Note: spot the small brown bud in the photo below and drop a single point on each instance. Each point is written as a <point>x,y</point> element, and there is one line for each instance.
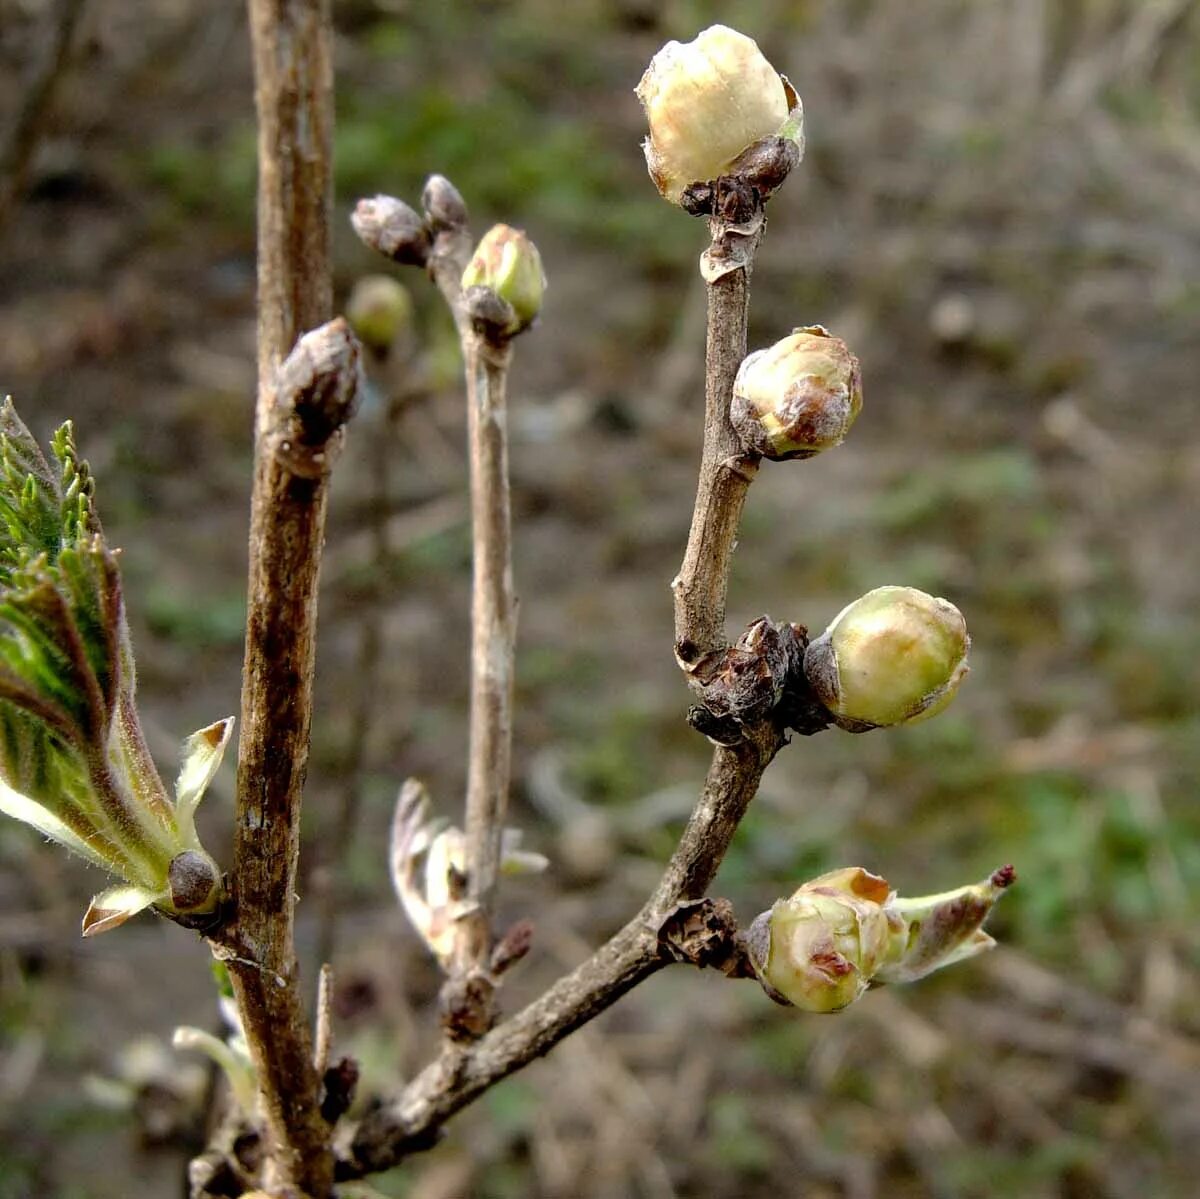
<point>443,204</point>
<point>390,226</point>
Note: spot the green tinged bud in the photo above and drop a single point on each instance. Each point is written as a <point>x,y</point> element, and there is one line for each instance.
<point>798,397</point>
<point>894,656</point>
<point>508,264</point>
<point>836,936</point>
<point>379,310</point>
<point>820,948</point>
<point>706,102</point>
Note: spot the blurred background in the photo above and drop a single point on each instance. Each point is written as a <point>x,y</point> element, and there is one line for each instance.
<point>998,211</point>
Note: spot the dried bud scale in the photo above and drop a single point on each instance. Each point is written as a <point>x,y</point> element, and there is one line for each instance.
<point>798,397</point>
<point>709,101</point>
<point>893,656</point>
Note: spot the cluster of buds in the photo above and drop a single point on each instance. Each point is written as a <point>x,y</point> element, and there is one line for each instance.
<point>73,759</point>
<point>503,284</point>
<point>716,107</point>
<point>836,936</point>
<point>428,861</point>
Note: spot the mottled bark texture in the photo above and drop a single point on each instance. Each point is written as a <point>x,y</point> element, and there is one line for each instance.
<point>302,402</point>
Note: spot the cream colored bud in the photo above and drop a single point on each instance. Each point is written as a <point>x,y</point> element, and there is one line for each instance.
<point>893,656</point>
<point>798,397</point>
<point>508,263</point>
<point>379,311</point>
<point>820,948</point>
<point>707,101</point>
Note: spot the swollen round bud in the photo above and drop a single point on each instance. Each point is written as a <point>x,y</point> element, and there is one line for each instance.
<point>379,311</point>
<point>894,656</point>
<point>798,397</point>
<point>508,264</point>
<point>393,228</point>
<point>819,949</point>
<point>706,102</point>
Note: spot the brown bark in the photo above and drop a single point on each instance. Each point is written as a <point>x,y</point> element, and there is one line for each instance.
<point>299,414</point>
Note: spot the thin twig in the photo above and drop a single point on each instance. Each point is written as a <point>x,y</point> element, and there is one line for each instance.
<point>21,141</point>
<point>412,1122</point>
<point>726,468</point>
<point>462,1073</point>
<point>302,405</point>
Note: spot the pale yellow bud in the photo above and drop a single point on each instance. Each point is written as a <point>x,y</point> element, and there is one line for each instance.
<point>798,397</point>
<point>508,263</point>
<point>707,101</point>
<point>893,656</point>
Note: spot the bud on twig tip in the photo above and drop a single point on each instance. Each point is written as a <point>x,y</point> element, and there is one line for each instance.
<point>390,226</point>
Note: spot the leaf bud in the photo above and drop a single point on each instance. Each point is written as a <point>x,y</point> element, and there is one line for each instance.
<point>819,949</point>
<point>709,100</point>
<point>798,397</point>
<point>508,264</point>
<point>443,204</point>
<point>893,656</point>
<point>393,228</point>
<point>379,310</point>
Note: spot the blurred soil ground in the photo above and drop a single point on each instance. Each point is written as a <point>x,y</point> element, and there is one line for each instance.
<point>999,211</point>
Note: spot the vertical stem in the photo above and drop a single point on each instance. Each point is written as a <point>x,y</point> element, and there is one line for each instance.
<point>293,95</point>
<point>726,469</point>
<point>493,629</point>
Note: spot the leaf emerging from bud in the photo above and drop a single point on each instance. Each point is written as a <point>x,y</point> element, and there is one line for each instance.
<point>706,102</point>
<point>379,310</point>
<point>798,397</point>
<point>508,264</point>
<point>834,937</point>
<point>820,948</point>
<point>893,656</point>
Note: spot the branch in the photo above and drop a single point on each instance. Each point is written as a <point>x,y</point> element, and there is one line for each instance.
<point>302,404</point>
<point>726,467</point>
<point>462,1073</point>
<point>639,949</point>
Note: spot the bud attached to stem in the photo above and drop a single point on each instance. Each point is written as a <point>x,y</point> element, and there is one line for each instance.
<point>841,933</point>
<point>393,228</point>
<point>508,265</point>
<point>798,397</point>
<point>894,656</point>
<point>708,102</point>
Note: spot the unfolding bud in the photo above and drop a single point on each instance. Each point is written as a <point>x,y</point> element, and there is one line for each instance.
<point>820,948</point>
<point>798,397</point>
<point>390,226</point>
<point>709,100</point>
<point>379,311</point>
<point>893,656</point>
<point>443,204</point>
<point>508,264</point>
<point>839,934</point>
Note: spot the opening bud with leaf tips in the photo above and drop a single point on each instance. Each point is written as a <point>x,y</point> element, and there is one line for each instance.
<point>836,936</point>
<point>894,656</point>
<point>508,264</point>
<point>73,758</point>
<point>708,102</point>
<point>798,397</point>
